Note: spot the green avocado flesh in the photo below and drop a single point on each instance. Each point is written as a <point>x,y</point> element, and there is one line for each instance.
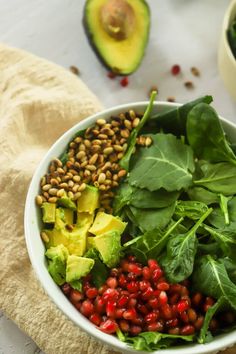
<point>121,56</point>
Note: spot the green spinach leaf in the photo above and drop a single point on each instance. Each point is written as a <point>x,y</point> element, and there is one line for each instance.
<point>99,271</point>
<point>226,240</point>
<point>191,209</point>
<point>167,163</point>
<point>203,195</point>
<point>230,266</point>
<point>217,218</point>
<point>206,135</point>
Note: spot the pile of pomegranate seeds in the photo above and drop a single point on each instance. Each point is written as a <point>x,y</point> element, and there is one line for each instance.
<point>137,298</point>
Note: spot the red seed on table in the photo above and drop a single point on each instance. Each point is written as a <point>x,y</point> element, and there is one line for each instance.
<point>111,75</point>
<point>175,70</point>
<point>124,81</point>
<point>109,326</point>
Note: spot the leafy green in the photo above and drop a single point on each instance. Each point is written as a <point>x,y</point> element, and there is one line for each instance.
<point>217,218</point>
<point>203,195</point>
<point>167,163</point>
<point>64,157</point>
<point>224,207</point>
<point>180,253</point>
<point>218,178</point>
<point>230,266</point>
<point>174,120</point>
<point>210,277</point>
<point>206,135</point>
<point>77,285</point>
<point>191,209</point>
<point>99,271</point>
<point>124,162</point>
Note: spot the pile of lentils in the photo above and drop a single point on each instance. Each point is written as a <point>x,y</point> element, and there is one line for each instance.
<point>92,159</point>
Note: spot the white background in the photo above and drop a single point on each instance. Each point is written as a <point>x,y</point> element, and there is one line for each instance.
<point>185,32</point>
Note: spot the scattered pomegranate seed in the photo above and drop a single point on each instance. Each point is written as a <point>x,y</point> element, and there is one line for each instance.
<point>195,71</point>
<point>170,99</point>
<point>189,84</point>
<point>124,81</point>
<point>109,326</point>
<point>175,70</point>
<point>111,75</point>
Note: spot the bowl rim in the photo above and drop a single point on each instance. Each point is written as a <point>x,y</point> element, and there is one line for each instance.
<point>219,343</point>
<point>226,22</point>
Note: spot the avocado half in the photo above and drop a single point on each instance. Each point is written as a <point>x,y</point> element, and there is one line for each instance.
<point>118,32</point>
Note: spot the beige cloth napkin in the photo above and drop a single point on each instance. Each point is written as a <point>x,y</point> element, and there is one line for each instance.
<point>38,102</point>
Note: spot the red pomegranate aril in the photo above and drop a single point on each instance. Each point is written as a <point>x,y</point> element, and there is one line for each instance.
<point>135,330</point>
<point>76,296</point>
<point>66,288</point>
<point>157,274</point>
<point>123,300</point>
<point>172,323</point>
<point>112,282</point>
<point>138,320</point>
<point>214,324</point>
<point>154,303</point>
<point>184,317</point>
<point>133,286</point>
<point>152,263</point>
<point>86,286</point>
<point>146,273</point>
<point>182,306</point>
<point>174,310</point>
<point>173,299</point>
<point>91,293</point>
<point>187,330</point>
<point>151,317</point>
<point>163,299</point>
<point>199,323</point>
<point>134,268</point>
<point>174,331</point>
<point>110,294</point>
<point>111,308</point>
<point>109,326</point>
<point>209,301</point>
<point>155,327</point>
<point>102,289</point>
<point>144,284</point>
<point>143,309</point>
<point>124,82</point>
<point>131,258</point>
<point>96,319</point>
<point>148,293</point>
<point>122,281</point>
<point>124,265</point>
<point>197,299</point>
<point>166,312</point>
<point>192,315</point>
<point>163,286</point>
<point>99,305</point>
<point>124,326</point>
<point>132,303</point>
<point>175,70</point>
<point>119,313</point>
<point>87,308</point>
<point>130,314</point>
<point>184,291</point>
<point>175,288</point>
<point>185,283</point>
<point>77,305</point>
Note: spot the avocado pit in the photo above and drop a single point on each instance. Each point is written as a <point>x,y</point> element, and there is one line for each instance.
<point>118,19</point>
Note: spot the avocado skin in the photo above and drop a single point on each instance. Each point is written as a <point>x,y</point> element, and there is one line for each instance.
<point>89,36</point>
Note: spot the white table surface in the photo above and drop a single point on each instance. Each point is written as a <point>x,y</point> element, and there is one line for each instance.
<point>185,32</point>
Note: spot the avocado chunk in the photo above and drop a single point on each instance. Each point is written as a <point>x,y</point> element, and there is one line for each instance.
<point>118,32</point>
<point>66,202</point>
<point>90,242</point>
<point>89,200</point>
<point>57,257</point>
<point>106,222</point>
<point>109,247</point>
<point>49,212</point>
<point>78,267</point>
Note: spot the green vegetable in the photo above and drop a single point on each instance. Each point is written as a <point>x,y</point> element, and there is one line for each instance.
<point>178,262</point>
<point>210,277</point>
<point>99,271</point>
<point>224,207</point>
<point>217,218</point>
<point>167,163</point>
<point>203,195</point>
<point>230,266</point>
<point>124,162</point>
<point>206,135</point>
<point>77,285</point>
<point>57,257</point>
<point>191,209</point>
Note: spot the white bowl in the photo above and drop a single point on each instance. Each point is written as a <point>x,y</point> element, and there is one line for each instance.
<point>36,247</point>
<point>226,59</point>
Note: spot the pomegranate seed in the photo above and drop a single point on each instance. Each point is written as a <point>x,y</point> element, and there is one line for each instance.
<point>96,319</point>
<point>154,303</point>
<point>130,314</point>
<point>175,70</point>
<point>157,274</point>
<point>122,281</point>
<point>187,330</point>
<point>87,308</point>
<point>151,317</point>
<point>133,286</point>
<point>209,301</point>
<point>99,305</point>
<point>134,268</point>
<point>86,286</point>
<point>182,306</point>
<point>109,326</point>
<point>124,82</point>
<point>119,313</point>
<point>163,299</point>
<point>123,300</point>
<point>172,323</point>
<point>175,330</point>
<point>77,305</point>
<point>110,294</point>
<point>102,289</point>
<point>124,326</point>
<point>138,320</point>
<point>192,315</point>
<point>131,258</point>
<point>132,303</point>
<point>174,310</point>
<point>146,273</point>
<point>66,288</point>
<point>76,296</point>
<point>152,263</point>
<point>199,323</point>
<point>184,317</point>
<point>228,317</point>
<point>124,265</point>
<point>111,308</point>
<point>163,286</point>
<point>112,282</point>
<point>166,312</point>
<point>91,293</point>
<point>184,291</point>
<point>135,330</point>
<point>155,327</point>
<point>144,284</point>
<point>173,299</point>
<point>87,278</point>
<point>197,299</point>
<point>148,293</point>
<point>111,75</point>
<point>175,288</point>
<point>143,309</point>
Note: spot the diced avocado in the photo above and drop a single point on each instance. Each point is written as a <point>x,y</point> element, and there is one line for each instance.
<point>78,267</point>
<point>89,200</point>
<point>66,202</point>
<point>49,212</point>
<point>90,242</point>
<point>118,32</point>
<point>57,263</point>
<point>69,216</point>
<point>109,247</point>
<point>106,222</point>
